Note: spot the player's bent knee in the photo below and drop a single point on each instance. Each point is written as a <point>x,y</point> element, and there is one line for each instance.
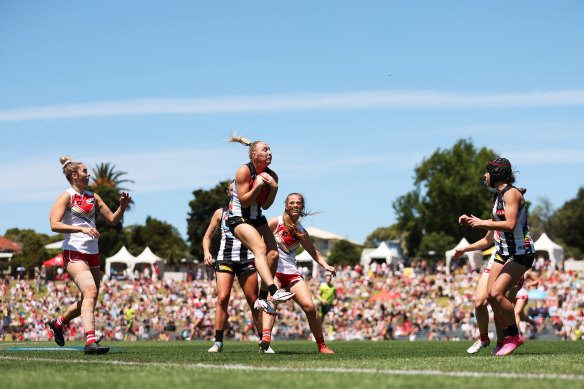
<point>89,292</point>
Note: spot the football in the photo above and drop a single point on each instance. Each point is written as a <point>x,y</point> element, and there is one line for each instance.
<point>263,193</point>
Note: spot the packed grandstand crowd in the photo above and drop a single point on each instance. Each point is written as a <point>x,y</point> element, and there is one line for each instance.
<point>376,303</point>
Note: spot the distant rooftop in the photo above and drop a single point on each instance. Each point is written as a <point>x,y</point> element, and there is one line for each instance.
<point>8,245</point>
<point>322,234</point>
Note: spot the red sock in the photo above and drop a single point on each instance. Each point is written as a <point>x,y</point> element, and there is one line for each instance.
<point>90,335</point>
<point>267,335</point>
<point>484,338</point>
<point>320,341</point>
<point>61,322</point>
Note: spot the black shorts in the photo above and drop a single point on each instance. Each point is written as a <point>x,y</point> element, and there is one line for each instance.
<point>235,268</point>
<point>234,221</point>
<point>325,308</point>
<point>523,259</point>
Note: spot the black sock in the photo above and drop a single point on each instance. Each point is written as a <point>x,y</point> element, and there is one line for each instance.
<point>263,295</point>
<point>272,289</point>
<point>511,330</point>
<point>219,336</point>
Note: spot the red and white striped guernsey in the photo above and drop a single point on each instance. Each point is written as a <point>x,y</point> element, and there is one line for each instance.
<point>80,212</point>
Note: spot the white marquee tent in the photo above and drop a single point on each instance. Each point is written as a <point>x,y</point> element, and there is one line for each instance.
<point>554,250</point>
<point>381,252</point>
<point>147,256</point>
<point>306,260</point>
<point>123,256</point>
<point>475,258</point>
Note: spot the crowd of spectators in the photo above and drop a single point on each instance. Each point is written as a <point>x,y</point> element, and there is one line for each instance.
<point>418,303</point>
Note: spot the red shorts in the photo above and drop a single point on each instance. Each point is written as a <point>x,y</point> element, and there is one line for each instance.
<point>92,260</point>
<point>288,279</point>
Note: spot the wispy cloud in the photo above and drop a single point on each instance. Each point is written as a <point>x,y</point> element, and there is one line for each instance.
<point>547,156</point>
<point>298,102</point>
<point>158,171</point>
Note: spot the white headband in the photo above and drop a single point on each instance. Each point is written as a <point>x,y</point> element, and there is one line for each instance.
<point>66,163</point>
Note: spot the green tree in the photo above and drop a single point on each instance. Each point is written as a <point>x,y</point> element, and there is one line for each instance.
<point>438,242</point>
<point>568,223</point>
<point>106,175</point>
<point>344,253</point>
<point>106,182</point>
<point>33,248</point>
<point>540,218</point>
<point>446,185</point>
<point>162,238</point>
<point>205,203</point>
<point>382,234</point>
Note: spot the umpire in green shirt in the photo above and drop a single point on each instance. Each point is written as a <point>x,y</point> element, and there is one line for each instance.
<point>327,294</point>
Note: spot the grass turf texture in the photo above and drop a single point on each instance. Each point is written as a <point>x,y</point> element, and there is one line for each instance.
<point>187,365</point>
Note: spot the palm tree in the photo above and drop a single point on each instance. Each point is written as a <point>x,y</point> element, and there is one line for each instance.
<point>105,175</point>
<point>107,181</point>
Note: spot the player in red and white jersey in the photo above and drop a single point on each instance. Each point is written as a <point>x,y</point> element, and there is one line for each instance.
<point>73,215</point>
<point>522,299</point>
<point>290,235</point>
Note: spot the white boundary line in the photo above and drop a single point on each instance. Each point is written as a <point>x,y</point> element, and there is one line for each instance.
<point>313,369</point>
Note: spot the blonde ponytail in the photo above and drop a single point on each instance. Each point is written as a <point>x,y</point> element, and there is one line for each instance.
<point>246,142</point>
<point>239,139</point>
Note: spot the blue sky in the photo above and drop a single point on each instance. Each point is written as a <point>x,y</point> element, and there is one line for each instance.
<point>351,96</point>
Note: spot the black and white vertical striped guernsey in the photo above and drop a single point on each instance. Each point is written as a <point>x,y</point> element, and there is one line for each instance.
<point>517,242</point>
<point>231,249</point>
<point>254,211</point>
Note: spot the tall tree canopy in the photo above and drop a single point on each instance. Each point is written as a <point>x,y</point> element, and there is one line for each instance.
<point>568,224</point>
<point>162,238</point>
<point>106,182</point>
<point>447,184</point>
<point>33,248</point>
<point>205,203</point>
<point>106,175</point>
<point>344,253</point>
<point>382,234</point>
<point>540,218</point>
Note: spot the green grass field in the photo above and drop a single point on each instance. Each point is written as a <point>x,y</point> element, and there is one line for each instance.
<point>296,364</point>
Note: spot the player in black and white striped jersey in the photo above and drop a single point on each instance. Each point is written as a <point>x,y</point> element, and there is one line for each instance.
<point>233,259</point>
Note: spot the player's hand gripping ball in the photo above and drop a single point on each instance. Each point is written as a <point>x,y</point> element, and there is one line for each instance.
<point>264,192</point>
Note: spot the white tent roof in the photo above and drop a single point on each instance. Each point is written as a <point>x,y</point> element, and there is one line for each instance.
<point>147,256</point>
<point>383,251</point>
<point>545,243</point>
<point>303,258</point>
<point>555,251</point>
<point>475,258</point>
<point>55,245</point>
<point>122,256</point>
